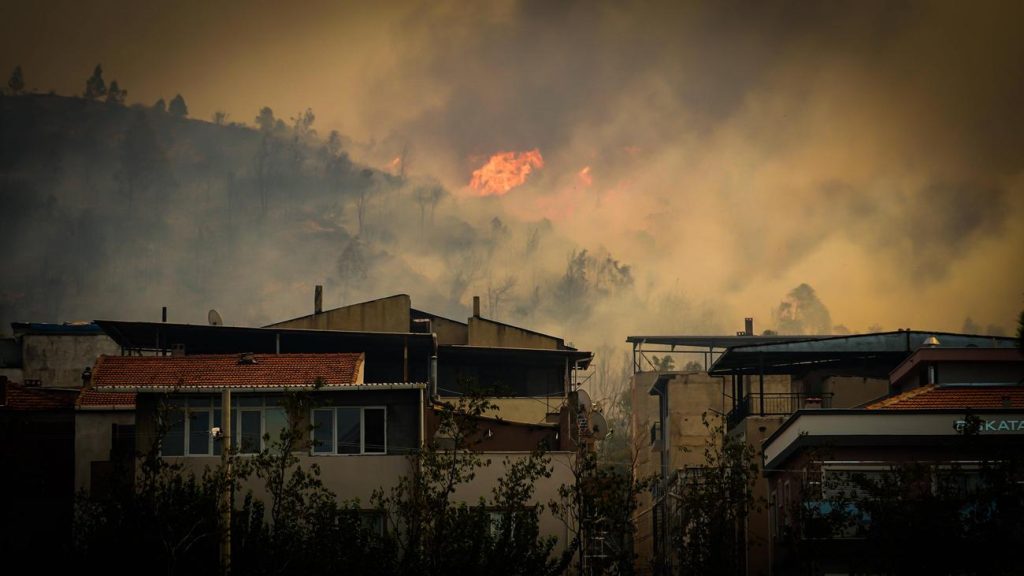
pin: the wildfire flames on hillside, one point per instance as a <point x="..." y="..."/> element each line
<point x="504" y="171"/>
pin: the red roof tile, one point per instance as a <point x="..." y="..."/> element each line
<point x="956" y="397"/>
<point x="32" y="398"/>
<point x="95" y="399"/>
<point x="228" y="370"/>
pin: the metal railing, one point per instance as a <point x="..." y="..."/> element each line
<point x="776" y="404"/>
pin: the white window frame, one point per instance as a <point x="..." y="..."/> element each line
<point x="362" y="431"/>
<point x="184" y="407"/>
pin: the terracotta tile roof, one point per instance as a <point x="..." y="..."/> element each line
<point x="226" y="370"/>
<point x="957" y="397"/>
<point x="32" y="398"/>
<point x="90" y="398"/>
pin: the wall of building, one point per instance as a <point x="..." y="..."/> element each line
<point x="545" y="489"/>
<point x="448" y="331"/>
<point x="484" y="332"/>
<point x="753" y="431"/>
<point x="93" y="440"/>
<point x="389" y="314"/>
<point x="691" y="394"/>
<point x="57" y="360"/>
<point x="852" y="391"/>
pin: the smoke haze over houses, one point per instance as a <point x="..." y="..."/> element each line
<point x="695" y="163"/>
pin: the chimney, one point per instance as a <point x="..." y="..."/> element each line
<point x="748" y="326"/>
<point x="318" y="299"/>
<point x="163" y="314"/>
<point x="476" y="306"/>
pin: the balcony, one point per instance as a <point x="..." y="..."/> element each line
<point x="776" y="404"/>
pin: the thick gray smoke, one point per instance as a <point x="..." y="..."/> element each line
<point x="699" y="160"/>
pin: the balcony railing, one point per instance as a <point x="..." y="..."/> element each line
<point x="776" y="404"/>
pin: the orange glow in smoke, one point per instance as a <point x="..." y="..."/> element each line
<point x="584" y="176"/>
<point x="396" y="165"/>
<point x="504" y="171"/>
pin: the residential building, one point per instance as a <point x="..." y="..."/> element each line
<point x="37" y="450"/>
<point x="951" y="412"/>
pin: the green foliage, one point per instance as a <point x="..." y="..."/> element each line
<point x="597" y="509"/>
<point x="711" y="504"/>
<point x="308" y="531"/>
<point x="432" y="532"/>
<point x="17" y="81"/>
<point x="167" y="518"/>
<point x="912" y="517"/>
<point x="95" y="87"/>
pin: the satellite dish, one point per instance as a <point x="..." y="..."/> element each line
<point x="214" y="318"/>
<point x="584" y="400"/>
<point x="598" y="426"/>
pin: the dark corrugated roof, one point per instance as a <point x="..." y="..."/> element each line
<point x="864" y="354"/>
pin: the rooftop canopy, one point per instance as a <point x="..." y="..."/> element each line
<point x="874" y="354"/>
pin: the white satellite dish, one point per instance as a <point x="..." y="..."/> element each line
<point x="214" y="318"/>
<point x="598" y="426"/>
<point x="583" y="399"/>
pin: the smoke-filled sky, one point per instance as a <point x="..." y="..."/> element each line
<point x="726" y="152"/>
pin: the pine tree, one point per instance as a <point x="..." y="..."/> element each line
<point x="177" y="107"/>
<point x="115" y="95"/>
<point x="17" y="81"/>
<point x="95" y="87"/>
<point x="160" y="105"/>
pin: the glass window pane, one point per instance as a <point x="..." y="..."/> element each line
<point x="274" y="422"/>
<point x="348" y="431"/>
<point x="374" y="430"/>
<point x="249" y="431"/>
<point x="323" y="431"/>
<point x="173" y="443"/>
<point x="199" y="433"/>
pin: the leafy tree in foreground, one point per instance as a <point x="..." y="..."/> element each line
<point x="431" y="532"/>
<point x="915" y="517"/>
<point x="711" y="504"/>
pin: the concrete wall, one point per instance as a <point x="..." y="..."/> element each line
<point x="448" y="331"/>
<point x="545" y="489"/>
<point x="356" y="478"/>
<point x="851" y="391"/>
<point x="93" y="440"/>
<point x="690" y="395"/>
<point x="484" y="332"/>
<point x="753" y="431"/>
<point x="389" y="314"/>
<point x="57" y="360"/>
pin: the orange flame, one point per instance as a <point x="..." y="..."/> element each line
<point x="504" y="171"/>
<point x="584" y="176"/>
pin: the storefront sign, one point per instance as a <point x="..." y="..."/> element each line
<point x="994" y="425"/>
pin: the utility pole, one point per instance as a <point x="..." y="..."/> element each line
<point x="227" y="498"/>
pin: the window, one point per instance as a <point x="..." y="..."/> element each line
<point x="257" y="422"/>
<point x="188" y="427"/>
<point x="190" y="421"/>
<point x="350" y="430"/>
